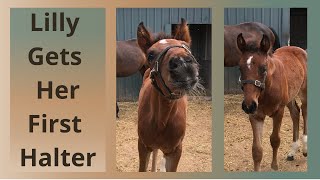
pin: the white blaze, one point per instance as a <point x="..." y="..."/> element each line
<point x="163" y="41"/>
<point x="249" y="62"/>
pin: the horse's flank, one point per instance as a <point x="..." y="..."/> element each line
<point x="130" y="58"/>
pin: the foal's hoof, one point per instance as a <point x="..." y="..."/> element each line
<point x="274" y="167"/>
<point x="305" y="154"/>
<point x="290" y="158"/>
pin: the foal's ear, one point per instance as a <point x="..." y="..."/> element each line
<point x="265" y="44"/>
<point x="241" y="43"/>
<point x="182" y="32"/>
<point x="144" y="37"/>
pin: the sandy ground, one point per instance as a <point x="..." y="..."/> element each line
<point x="196" y="155"/>
<point x="238" y="140"/>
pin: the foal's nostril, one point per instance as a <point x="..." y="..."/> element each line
<point x="175" y="63"/>
<point x="188" y="59"/>
<point x="254" y="106"/>
<point x="244" y="107"/>
<point x="249" y="109"/>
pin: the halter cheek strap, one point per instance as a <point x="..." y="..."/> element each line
<point x="155" y="73"/>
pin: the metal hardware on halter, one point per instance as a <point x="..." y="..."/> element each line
<point x="257" y="83"/>
<point x="154" y="70"/>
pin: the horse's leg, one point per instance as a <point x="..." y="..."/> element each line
<point x="154" y="160"/>
<point x="295" y="116"/>
<point x="172" y="159"/>
<point x="257" y="121"/>
<point x="163" y="164"/>
<point x="144" y="156"/>
<point x="275" y="136"/>
<point x="117" y="110"/>
<point x="305" y="129"/>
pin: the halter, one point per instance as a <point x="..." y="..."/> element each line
<point x="257" y="83"/>
<point x="155" y="73"/>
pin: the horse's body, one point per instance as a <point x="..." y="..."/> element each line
<point x="162" y="99"/>
<point x="270" y="83"/>
<point x="130" y="58"/>
<point x="252" y="33"/>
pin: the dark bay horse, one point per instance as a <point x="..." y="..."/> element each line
<point x="162" y="99"/>
<point x="252" y="31"/>
<point x="270" y="83"/>
<point x="130" y="59"/>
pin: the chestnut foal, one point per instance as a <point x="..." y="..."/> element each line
<point x="269" y="83"/>
<point x="162" y="99"/>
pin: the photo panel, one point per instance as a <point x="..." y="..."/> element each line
<point x="164" y="89"/>
<point x="265" y="98"/>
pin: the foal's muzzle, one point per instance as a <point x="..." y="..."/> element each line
<point x="249" y="109"/>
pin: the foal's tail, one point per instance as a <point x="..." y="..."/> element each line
<point x="276" y="44"/>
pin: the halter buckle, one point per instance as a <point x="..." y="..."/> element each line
<point x="257" y="83"/>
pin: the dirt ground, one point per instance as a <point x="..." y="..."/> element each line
<point x="238" y="140"/>
<point x="196" y="153"/>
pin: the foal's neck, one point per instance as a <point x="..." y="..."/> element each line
<point x="165" y="108"/>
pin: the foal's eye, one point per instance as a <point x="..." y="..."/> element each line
<point x="150" y="56"/>
<point x="262" y="69"/>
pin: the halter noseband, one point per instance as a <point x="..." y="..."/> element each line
<point x="257" y="83"/>
<point x="156" y="74"/>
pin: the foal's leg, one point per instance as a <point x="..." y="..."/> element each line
<point x="172" y="159"/>
<point x="305" y="129"/>
<point x="304" y="100"/>
<point x="275" y="136"/>
<point x="257" y="121"/>
<point x="144" y="156"/>
<point x="154" y="160"/>
<point x="117" y="110"/>
<point x="295" y="116"/>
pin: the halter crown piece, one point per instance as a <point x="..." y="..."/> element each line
<point x="156" y="74"/>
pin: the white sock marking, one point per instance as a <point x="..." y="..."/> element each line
<point x="294" y="148"/>
<point x="163" y="165"/>
<point x="249" y="62"/>
<point x="305" y="143"/>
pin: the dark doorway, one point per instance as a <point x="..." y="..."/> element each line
<point x="298" y="27"/>
<point x="201" y="49"/>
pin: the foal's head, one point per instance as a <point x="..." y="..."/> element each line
<point x="176" y="64"/>
<point x="253" y="69"/>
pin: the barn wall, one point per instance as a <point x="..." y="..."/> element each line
<point x="156" y="19"/>
<point x="277" y="18"/>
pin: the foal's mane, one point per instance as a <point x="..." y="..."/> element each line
<point x="252" y="48"/>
